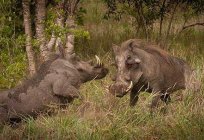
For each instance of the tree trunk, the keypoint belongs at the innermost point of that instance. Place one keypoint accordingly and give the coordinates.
(171, 20)
(142, 23)
(40, 28)
(60, 22)
(65, 19)
(69, 47)
(70, 8)
(161, 20)
(70, 24)
(52, 42)
(28, 32)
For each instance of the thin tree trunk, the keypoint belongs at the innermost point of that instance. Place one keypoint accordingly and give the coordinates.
(28, 32)
(72, 6)
(60, 22)
(70, 24)
(171, 20)
(69, 47)
(192, 25)
(65, 19)
(40, 28)
(161, 20)
(138, 8)
(52, 42)
(60, 9)
(144, 22)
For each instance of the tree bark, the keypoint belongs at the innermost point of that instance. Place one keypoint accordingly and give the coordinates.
(40, 28)
(194, 24)
(142, 23)
(28, 32)
(70, 7)
(52, 42)
(171, 20)
(69, 47)
(65, 14)
(60, 21)
(161, 18)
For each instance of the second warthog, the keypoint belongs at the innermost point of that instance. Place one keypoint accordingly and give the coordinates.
(142, 67)
(57, 82)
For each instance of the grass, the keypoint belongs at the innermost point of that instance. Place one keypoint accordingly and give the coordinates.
(100, 116)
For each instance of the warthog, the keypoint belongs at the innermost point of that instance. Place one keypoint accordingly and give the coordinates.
(143, 67)
(56, 82)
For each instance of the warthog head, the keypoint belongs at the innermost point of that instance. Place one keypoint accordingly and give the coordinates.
(129, 69)
(88, 70)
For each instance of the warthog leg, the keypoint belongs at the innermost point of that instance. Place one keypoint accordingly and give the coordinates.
(133, 98)
(165, 98)
(65, 89)
(155, 100)
(3, 115)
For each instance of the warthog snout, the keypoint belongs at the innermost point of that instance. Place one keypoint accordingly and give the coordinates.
(99, 69)
(119, 89)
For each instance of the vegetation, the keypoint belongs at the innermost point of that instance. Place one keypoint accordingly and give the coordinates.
(99, 115)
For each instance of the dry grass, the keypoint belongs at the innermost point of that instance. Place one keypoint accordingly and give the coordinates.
(101, 116)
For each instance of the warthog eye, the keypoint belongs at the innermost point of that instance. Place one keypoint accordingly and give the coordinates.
(130, 63)
(80, 69)
(97, 67)
(128, 57)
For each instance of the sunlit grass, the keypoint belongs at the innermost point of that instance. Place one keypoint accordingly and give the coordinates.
(99, 115)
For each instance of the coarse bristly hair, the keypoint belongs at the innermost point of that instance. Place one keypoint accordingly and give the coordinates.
(37, 78)
(152, 49)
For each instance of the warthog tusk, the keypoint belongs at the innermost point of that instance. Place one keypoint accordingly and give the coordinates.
(130, 86)
(98, 60)
(137, 60)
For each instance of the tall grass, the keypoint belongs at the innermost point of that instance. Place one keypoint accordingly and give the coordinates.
(101, 116)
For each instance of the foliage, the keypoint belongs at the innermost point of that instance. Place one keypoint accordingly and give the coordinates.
(13, 65)
(10, 22)
(12, 54)
(80, 16)
(146, 13)
(61, 31)
(80, 33)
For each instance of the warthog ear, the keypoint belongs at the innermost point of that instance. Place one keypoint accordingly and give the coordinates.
(130, 46)
(115, 48)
